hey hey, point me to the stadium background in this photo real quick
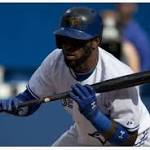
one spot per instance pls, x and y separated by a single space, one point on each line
26 38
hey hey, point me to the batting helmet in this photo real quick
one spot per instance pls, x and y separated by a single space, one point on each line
80 23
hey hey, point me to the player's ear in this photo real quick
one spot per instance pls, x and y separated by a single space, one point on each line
96 42
99 40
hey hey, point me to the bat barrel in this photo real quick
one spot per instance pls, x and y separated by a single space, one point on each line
122 82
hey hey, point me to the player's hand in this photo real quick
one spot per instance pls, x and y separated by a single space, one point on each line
85 98
9 104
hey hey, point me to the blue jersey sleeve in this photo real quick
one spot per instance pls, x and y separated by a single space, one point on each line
26 96
20 98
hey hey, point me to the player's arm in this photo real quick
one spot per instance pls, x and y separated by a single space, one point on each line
111 130
11 104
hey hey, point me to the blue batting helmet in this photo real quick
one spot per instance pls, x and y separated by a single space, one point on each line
80 23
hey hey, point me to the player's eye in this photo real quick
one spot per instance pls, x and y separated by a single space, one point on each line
61 41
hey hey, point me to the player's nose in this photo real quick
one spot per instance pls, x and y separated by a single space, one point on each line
69 48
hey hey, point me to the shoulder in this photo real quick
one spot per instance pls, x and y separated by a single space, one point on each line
54 58
54 55
112 66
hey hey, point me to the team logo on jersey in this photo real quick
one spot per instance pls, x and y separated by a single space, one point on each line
73 21
97 135
67 102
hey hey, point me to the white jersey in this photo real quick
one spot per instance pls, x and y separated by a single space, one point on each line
123 106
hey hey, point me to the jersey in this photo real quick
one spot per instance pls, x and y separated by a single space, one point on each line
124 106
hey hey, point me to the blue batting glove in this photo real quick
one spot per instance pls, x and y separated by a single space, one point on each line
9 104
85 98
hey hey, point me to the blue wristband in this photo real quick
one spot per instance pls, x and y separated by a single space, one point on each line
103 124
120 136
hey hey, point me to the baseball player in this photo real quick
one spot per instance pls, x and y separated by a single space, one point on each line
116 118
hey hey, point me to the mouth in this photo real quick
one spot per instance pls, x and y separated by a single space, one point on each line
70 56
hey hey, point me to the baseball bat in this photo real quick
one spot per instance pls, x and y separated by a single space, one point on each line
101 87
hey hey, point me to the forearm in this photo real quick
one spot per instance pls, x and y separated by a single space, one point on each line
115 133
20 98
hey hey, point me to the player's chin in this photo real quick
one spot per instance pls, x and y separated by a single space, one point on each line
70 62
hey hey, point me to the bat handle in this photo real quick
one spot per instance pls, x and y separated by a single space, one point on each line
45 99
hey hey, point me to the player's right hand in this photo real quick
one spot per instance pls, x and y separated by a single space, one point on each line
85 97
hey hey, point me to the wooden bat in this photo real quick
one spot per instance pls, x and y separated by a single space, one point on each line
101 87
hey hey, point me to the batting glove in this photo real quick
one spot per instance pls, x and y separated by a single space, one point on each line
11 106
8 105
85 98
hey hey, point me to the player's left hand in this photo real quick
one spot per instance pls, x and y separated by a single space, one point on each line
85 98
8 105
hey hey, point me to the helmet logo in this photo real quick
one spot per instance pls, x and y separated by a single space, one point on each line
74 21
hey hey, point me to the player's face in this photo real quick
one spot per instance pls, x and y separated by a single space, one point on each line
76 52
